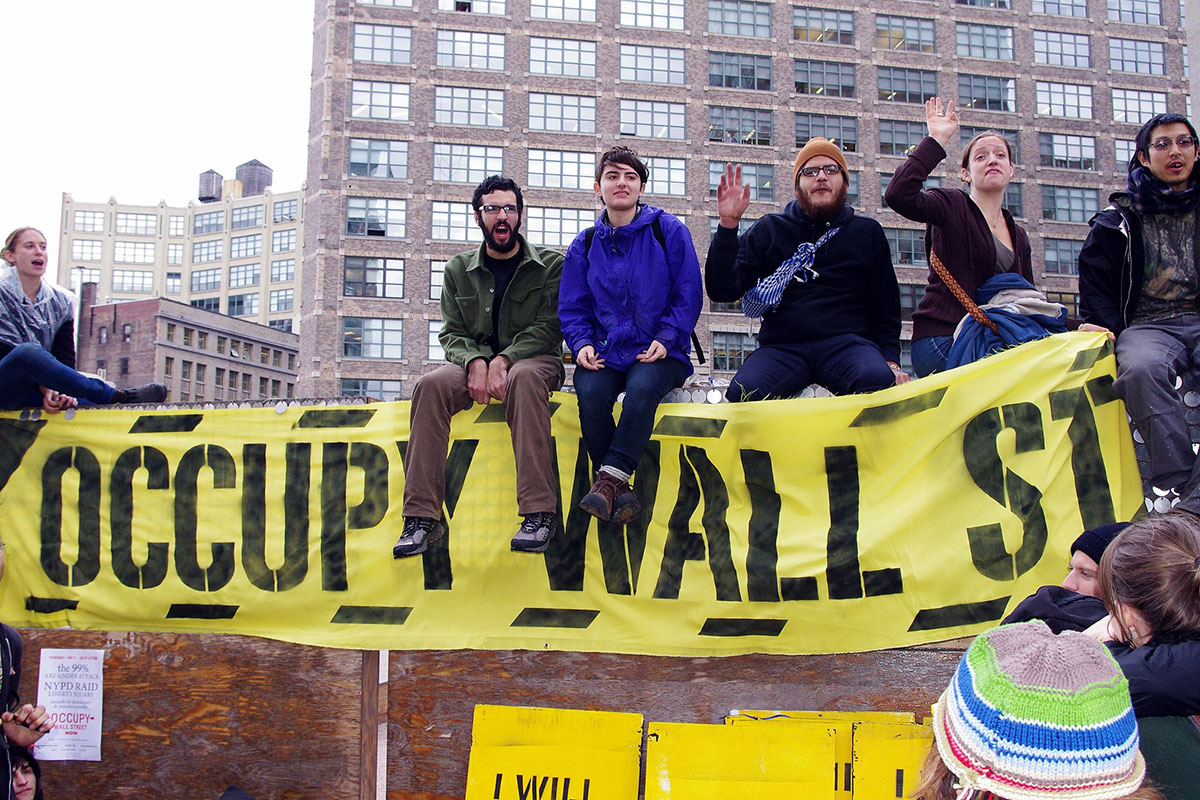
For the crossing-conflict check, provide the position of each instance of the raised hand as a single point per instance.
(733, 197)
(942, 122)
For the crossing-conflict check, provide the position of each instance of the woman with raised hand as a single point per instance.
(37, 338)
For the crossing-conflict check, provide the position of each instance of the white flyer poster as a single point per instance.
(71, 687)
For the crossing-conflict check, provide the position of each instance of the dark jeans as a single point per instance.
(929, 354)
(28, 366)
(621, 444)
(844, 364)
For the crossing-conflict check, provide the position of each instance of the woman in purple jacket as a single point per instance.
(629, 300)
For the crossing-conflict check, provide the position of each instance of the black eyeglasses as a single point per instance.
(812, 172)
(492, 211)
(1184, 142)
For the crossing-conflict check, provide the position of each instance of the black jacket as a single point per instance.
(1164, 676)
(1112, 264)
(1061, 609)
(856, 291)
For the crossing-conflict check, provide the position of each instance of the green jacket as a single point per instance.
(528, 311)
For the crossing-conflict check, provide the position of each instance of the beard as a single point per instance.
(825, 206)
(507, 229)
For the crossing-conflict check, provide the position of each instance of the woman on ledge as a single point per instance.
(37, 338)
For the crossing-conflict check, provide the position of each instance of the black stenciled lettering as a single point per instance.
(373, 461)
(87, 564)
(499, 783)
(988, 551)
(435, 562)
(841, 568)
(1087, 463)
(697, 472)
(333, 516)
(158, 476)
(224, 476)
(254, 522)
(762, 560)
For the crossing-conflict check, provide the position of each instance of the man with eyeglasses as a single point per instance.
(501, 335)
(1138, 277)
(819, 276)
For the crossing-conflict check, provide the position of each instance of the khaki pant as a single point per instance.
(441, 394)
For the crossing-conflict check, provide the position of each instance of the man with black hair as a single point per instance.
(1138, 277)
(500, 333)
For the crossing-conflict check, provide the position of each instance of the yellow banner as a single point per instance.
(802, 526)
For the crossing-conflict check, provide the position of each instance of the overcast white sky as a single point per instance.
(133, 99)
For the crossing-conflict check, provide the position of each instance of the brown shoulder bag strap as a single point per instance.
(955, 289)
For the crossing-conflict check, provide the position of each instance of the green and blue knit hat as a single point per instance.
(1030, 715)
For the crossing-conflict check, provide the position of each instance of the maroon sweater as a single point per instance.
(956, 230)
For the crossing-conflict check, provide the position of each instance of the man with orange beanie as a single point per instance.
(818, 275)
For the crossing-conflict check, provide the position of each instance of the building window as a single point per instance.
(470, 50)
(1069, 203)
(984, 41)
(246, 217)
(379, 100)
(842, 131)
(458, 105)
(739, 71)
(562, 113)
(437, 273)
(243, 305)
(910, 295)
(466, 163)
(1142, 12)
(826, 78)
(374, 158)
(82, 275)
(373, 277)
(188, 333)
(89, 221)
(1068, 299)
(1063, 8)
(136, 224)
(168, 366)
(1062, 256)
(367, 337)
(472, 6)
(283, 270)
(967, 132)
(102, 334)
(665, 15)
(561, 169)
(1067, 151)
(283, 241)
(1013, 200)
(987, 92)
(133, 280)
(281, 300)
(387, 391)
(646, 64)
(822, 25)
(912, 34)
(245, 246)
(202, 340)
(908, 246)
(1136, 55)
(284, 325)
(133, 252)
(652, 120)
(1125, 148)
(454, 222)
(176, 225)
(208, 222)
(212, 304)
(285, 210)
(434, 351)
(174, 253)
(207, 251)
(932, 182)
(563, 10)
(375, 216)
(736, 18)
(557, 227)
(1135, 107)
(1064, 100)
(852, 195)
(668, 176)
(729, 350)
(901, 85)
(206, 280)
(86, 250)
(387, 44)
(760, 177)
(570, 58)
(739, 125)
(174, 282)
(1062, 49)
(898, 137)
(170, 335)
(244, 275)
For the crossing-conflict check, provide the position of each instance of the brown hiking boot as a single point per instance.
(611, 500)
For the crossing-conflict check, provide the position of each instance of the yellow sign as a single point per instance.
(553, 754)
(905, 516)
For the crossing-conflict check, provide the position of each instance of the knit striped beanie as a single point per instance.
(1030, 715)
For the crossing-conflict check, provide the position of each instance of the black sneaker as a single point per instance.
(416, 537)
(535, 532)
(140, 395)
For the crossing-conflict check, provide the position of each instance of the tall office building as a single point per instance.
(415, 101)
(232, 253)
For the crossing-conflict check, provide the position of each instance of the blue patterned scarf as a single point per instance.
(1149, 195)
(766, 294)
